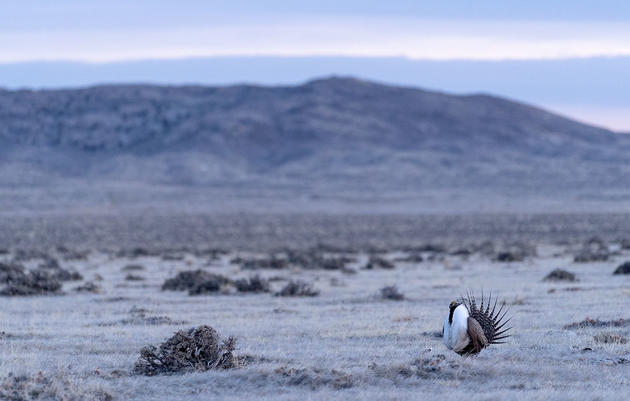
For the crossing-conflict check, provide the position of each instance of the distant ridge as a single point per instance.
(325, 138)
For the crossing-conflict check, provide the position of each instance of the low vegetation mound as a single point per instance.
(297, 288)
(391, 292)
(560, 275)
(376, 262)
(196, 349)
(89, 287)
(253, 284)
(133, 268)
(196, 282)
(623, 268)
(20, 282)
(610, 338)
(593, 250)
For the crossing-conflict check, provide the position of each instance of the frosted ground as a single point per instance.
(346, 343)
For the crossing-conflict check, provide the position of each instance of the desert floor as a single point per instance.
(346, 343)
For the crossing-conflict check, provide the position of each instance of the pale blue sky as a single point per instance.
(112, 39)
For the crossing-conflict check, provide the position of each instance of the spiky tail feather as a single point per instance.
(492, 323)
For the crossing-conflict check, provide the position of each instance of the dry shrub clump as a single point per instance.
(271, 262)
(610, 338)
(376, 262)
(133, 268)
(588, 322)
(44, 387)
(89, 286)
(134, 277)
(593, 250)
(196, 349)
(196, 282)
(21, 283)
(560, 275)
(515, 252)
(391, 292)
(297, 288)
(623, 268)
(253, 284)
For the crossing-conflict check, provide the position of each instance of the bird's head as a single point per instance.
(453, 305)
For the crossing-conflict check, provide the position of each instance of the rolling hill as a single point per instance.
(329, 138)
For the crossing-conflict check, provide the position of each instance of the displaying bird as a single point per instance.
(469, 328)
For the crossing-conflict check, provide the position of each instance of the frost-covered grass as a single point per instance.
(345, 343)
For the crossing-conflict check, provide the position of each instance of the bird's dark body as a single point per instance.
(491, 322)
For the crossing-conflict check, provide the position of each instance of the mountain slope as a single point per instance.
(323, 136)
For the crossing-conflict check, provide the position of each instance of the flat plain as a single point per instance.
(351, 340)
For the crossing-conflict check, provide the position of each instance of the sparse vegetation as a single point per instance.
(588, 322)
(42, 387)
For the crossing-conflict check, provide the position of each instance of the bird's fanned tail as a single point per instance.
(492, 323)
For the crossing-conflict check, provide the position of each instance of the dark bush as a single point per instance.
(610, 338)
(36, 282)
(623, 268)
(560, 275)
(133, 277)
(88, 287)
(132, 268)
(593, 250)
(196, 349)
(253, 284)
(391, 292)
(11, 272)
(411, 258)
(211, 284)
(195, 281)
(506, 256)
(376, 262)
(297, 288)
(271, 262)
